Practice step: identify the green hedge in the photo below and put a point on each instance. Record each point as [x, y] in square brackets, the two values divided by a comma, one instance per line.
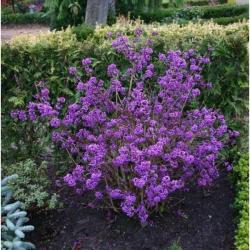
[29, 59]
[229, 20]
[197, 2]
[224, 10]
[26, 18]
[241, 177]
[203, 12]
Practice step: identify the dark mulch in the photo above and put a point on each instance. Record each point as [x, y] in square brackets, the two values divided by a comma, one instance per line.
[204, 222]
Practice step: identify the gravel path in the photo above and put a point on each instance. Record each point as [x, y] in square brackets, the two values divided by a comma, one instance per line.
[10, 31]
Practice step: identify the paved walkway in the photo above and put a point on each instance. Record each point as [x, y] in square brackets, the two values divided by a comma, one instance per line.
[10, 31]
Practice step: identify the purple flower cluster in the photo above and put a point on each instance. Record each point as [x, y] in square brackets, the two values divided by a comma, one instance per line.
[134, 148]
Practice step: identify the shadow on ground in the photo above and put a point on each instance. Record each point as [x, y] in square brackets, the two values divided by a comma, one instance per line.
[204, 222]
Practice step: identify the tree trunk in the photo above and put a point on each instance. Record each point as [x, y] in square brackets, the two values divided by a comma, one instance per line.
[97, 12]
[13, 5]
[112, 7]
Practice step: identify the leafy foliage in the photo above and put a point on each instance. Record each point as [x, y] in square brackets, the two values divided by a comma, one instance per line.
[197, 2]
[175, 246]
[63, 13]
[32, 186]
[228, 20]
[124, 7]
[192, 13]
[13, 226]
[241, 179]
[82, 31]
[26, 18]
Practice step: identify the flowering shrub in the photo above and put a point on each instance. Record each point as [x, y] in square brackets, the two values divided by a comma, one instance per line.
[133, 147]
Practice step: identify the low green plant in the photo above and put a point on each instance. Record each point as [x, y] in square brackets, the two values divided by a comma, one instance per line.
[13, 219]
[32, 186]
[241, 180]
[175, 246]
[6, 10]
[190, 13]
[24, 18]
[82, 31]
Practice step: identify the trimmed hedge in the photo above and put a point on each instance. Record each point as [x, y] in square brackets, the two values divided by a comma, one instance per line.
[26, 18]
[203, 12]
[229, 20]
[241, 176]
[224, 10]
[197, 2]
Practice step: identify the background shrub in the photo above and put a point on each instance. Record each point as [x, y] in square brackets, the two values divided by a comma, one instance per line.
[241, 179]
[229, 20]
[197, 2]
[225, 10]
[25, 18]
[60, 15]
[192, 13]
[82, 31]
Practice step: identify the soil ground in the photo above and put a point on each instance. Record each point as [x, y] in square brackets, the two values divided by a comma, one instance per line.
[204, 221]
[10, 31]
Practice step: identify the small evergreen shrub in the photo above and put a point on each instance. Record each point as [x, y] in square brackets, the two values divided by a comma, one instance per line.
[139, 136]
[13, 220]
[32, 185]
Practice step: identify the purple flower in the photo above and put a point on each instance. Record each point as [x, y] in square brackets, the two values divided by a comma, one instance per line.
[138, 32]
[86, 62]
[116, 194]
[154, 33]
[109, 34]
[55, 122]
[14, 114]
[113, 71]
[142, 213]
[98, 195]
[80, 86]
[61, 99]
[72, 71]
[139, 182]
[69, 180]
[22, 116]
[162, 57]
[229, 167]
[195, 92]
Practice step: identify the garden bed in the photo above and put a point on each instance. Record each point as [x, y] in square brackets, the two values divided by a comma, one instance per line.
[204, 221]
